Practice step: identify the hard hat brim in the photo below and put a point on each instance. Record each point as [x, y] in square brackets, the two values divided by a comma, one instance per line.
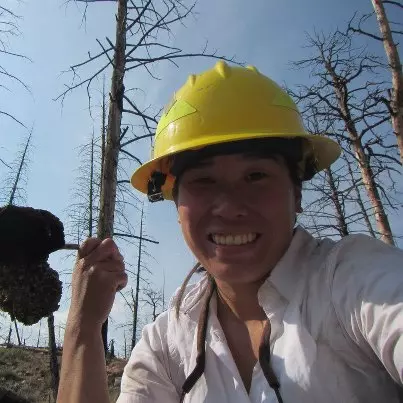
[325, 151]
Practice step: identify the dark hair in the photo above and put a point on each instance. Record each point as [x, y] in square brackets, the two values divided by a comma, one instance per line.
[300, 163]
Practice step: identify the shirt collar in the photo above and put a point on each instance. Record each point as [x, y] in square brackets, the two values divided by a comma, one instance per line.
[285, 275]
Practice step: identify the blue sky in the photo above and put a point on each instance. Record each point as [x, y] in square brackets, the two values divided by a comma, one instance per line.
[265, 33]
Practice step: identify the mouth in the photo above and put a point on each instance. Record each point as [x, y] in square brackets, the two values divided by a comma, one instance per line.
[233, 239]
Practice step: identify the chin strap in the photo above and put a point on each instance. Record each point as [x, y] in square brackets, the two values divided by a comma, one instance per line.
[154, 187]
[264, 361]
[201, 343]
[264, 351]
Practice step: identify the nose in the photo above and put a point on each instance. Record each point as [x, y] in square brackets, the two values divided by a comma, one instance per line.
[228, 204]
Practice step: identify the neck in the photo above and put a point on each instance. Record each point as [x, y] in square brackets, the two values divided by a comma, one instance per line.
[239, 300]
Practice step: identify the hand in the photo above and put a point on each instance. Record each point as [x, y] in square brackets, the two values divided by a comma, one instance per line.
[98, 274]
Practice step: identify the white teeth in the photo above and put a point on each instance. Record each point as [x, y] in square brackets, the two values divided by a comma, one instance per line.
[233, 239]
[238, 240]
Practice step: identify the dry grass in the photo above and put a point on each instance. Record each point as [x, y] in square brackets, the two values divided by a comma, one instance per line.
[25, 371]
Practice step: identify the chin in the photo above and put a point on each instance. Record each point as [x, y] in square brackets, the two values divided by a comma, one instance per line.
[236, 274]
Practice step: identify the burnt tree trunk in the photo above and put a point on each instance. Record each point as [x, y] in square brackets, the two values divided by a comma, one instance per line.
[341, 92]
[91, 198]
[103, 132]
[392, 54]
[359, 201]
[39, 334]
[17, 331]
[10, 332]
[110, 162]
[54, 365]
[341, 221]
[19, 172]
[135, 310]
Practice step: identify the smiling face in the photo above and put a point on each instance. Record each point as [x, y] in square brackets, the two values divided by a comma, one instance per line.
[237, 214]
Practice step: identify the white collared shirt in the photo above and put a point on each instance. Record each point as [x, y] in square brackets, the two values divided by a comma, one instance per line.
[336, 314]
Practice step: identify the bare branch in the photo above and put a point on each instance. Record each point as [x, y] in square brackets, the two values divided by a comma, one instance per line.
[15, 54]
[136, 139]
[395, 3]
[117, 234]
[13, 118]
[131, 155]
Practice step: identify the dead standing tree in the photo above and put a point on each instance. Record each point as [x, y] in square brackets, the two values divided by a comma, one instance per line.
[13, 189]
[334, 205]
[325, 209]
[346, 90]
[154, 299]
[140, 269]
[395, 99]
[9, 28]
[141, 28]
[83, 211]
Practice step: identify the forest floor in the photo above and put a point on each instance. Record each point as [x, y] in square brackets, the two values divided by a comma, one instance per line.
[25, 372]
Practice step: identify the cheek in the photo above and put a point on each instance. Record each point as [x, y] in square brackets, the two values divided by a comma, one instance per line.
[190, 218]
[276, 203]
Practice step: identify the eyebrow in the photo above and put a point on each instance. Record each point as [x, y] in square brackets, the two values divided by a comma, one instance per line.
[203, 163]
[250, 156]
[208, 162]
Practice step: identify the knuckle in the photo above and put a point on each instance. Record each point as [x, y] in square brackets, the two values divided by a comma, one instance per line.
[108, 243]
[87, 246]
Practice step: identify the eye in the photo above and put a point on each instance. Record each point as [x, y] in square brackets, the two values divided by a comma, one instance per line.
[256, 176]
[202, 181]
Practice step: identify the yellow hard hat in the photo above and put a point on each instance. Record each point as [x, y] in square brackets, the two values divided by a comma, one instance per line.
[225, 104]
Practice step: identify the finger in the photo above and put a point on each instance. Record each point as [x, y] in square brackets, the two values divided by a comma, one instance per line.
[117, 256]
[106, 249]
[108, 266]
[87, 247]
[112, 280]
[121, 281]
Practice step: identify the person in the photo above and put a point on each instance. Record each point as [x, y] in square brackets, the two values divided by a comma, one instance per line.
[276, 315]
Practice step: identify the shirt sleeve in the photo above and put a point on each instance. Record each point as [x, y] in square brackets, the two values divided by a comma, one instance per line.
[147, 377]
[367, 293]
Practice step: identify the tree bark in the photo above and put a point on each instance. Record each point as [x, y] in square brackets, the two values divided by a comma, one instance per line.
[135, 311]
[341, 221]
[10, 331]
[91, 197]
[20, 168]
[360, 202]
[103, 132]
[110, 162]
[39, 334]
[17, 332]
[392, 54]
[54, 365]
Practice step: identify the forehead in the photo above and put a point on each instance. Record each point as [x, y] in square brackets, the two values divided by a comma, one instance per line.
[246, 158]
[276, 149]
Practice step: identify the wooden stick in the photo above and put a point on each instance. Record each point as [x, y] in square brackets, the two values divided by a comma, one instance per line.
[71, 246]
